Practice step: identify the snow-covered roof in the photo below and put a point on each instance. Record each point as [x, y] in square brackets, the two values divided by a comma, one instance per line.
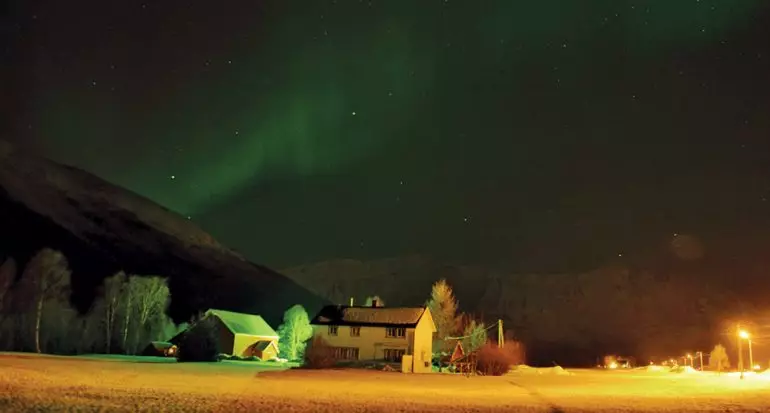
[240, 323]
[369, 316]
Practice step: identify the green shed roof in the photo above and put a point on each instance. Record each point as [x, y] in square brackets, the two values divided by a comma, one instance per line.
[240, 323]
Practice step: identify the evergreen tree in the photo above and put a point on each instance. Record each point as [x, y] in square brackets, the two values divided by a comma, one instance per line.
[443, 308]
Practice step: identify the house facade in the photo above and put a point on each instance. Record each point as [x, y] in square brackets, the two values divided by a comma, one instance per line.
[378, 333]
[238, 334]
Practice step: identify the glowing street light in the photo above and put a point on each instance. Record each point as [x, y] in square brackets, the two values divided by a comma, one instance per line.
[746, 336]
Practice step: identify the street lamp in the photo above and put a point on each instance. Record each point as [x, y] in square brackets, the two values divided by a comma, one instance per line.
[746, 336]
[689, 357]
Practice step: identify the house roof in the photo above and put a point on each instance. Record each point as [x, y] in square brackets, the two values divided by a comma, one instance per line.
[369, 316]
[240, 323]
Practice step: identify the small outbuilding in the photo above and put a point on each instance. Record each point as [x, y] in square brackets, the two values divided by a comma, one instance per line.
[237, 334]
[160, 349]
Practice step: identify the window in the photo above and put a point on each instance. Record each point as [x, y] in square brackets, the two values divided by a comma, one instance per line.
[332, 330]
[355, 331]
[393, 354]
[345, 353]
[398, 332]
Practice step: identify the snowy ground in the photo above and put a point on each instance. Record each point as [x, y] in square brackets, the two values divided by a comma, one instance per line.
[51, 383]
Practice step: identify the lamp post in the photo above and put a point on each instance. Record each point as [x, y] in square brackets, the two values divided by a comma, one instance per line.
[745, 335]
[689, 358]
[741, 333]
[700, 354]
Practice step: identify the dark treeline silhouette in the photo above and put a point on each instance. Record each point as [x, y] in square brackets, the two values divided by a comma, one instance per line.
[36, 313]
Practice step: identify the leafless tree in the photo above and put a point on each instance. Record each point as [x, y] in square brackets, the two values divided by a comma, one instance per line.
[7, 276]
[46, 277]
[113, 287]
[128, 306]
[152, 296]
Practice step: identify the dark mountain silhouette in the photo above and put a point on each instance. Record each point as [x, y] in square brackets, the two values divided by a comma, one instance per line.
[102, 228]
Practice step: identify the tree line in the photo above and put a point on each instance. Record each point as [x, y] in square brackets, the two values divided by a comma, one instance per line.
[36, 314]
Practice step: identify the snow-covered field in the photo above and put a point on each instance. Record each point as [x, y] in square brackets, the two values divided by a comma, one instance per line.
[51, 383]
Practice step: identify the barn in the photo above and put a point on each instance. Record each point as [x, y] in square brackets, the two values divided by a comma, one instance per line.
[238, 334]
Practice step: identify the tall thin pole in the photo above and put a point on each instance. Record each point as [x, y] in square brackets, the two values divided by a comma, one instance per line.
[740, 351]
[500, 337]
[751, 357]
[700, 353]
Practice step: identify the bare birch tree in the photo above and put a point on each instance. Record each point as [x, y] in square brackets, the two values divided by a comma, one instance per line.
[152, 295]
[128, 307]
[45, 277]
[113, 287]
[7, 276]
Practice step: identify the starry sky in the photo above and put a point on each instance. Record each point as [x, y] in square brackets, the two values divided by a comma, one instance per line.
[533, 135]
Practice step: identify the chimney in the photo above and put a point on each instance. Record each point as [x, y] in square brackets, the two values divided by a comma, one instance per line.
[351, 301]
[374, 302]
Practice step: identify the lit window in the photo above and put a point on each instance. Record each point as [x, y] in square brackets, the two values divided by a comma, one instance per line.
[398, 332]
[355, 331]
[393, 354]
[332, 330]
[345, 353]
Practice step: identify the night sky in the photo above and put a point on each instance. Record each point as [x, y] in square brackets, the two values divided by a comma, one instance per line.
[533, 135]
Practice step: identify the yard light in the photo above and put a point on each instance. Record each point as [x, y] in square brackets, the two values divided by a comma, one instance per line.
[744, 335]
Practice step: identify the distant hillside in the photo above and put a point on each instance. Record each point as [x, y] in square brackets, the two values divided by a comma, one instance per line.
[569, 318]
[102, 228]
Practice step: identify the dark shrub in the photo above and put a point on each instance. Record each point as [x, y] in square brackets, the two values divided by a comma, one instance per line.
[200, 342]
[318, 354]
[494, 361]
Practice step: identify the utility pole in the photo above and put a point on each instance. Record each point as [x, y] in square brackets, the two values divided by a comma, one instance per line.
[700, 353]
[751, 356]
[740, 351]
[500, 337]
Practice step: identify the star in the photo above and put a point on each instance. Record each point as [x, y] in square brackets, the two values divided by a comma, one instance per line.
[354, 113]
[172, 177]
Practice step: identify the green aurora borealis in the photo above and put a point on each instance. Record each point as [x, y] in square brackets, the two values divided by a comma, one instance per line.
[494, 131]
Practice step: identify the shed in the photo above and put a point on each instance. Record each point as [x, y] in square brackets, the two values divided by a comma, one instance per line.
[237, 333]
[160, 349]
